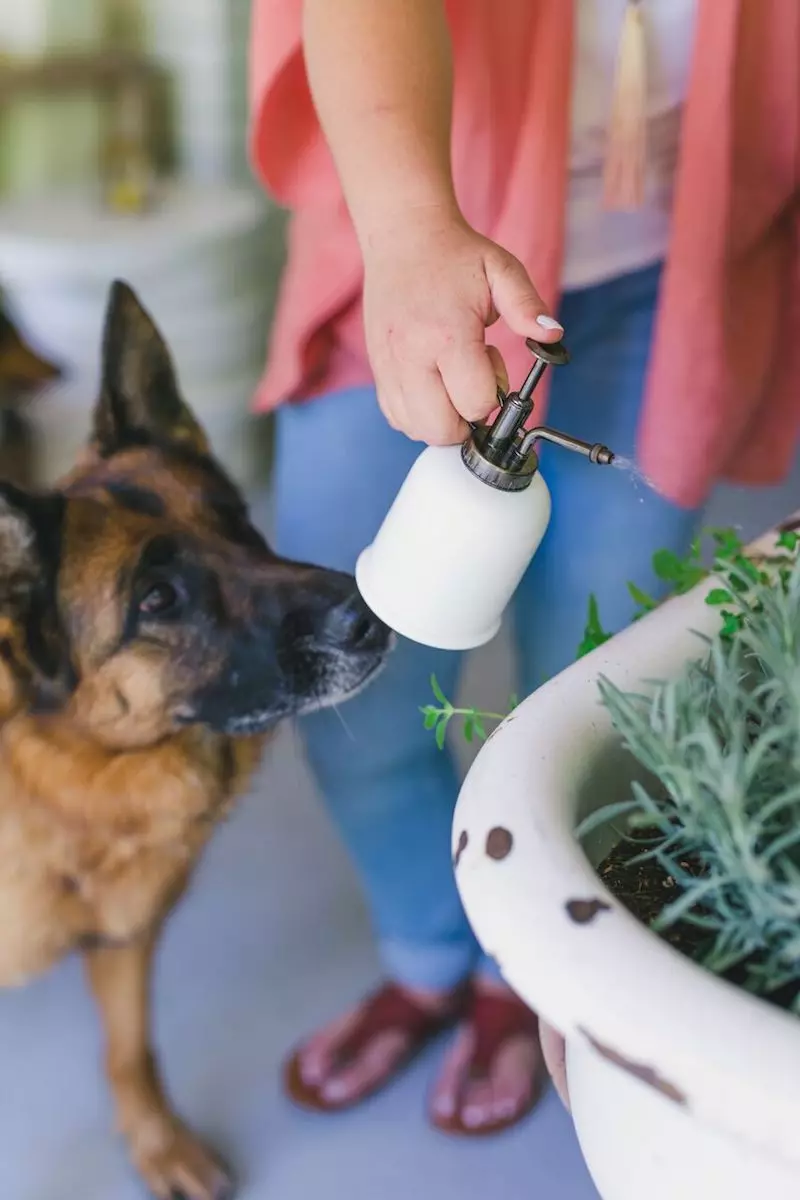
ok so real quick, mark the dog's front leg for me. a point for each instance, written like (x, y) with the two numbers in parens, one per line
(172, 1161)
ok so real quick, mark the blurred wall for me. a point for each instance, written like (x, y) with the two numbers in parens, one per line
(207, 259)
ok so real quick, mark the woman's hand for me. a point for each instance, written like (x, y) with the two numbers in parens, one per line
(432, 286)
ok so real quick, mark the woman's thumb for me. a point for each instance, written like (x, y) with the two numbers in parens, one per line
(517, 300)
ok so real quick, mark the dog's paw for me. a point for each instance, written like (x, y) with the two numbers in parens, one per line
(182, 1168)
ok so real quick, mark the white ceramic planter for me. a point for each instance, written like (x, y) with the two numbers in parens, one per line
(682, 1086)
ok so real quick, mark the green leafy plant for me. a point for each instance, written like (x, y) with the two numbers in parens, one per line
(680, 574)
(723, 743)
(593, 635)
(438, 716)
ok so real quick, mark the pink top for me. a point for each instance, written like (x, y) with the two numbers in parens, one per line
(723, 394)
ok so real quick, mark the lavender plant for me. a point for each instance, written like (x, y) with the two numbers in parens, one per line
(723, 743)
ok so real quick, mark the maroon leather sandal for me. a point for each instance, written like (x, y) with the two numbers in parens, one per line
(389, 1008)
(496, 1018)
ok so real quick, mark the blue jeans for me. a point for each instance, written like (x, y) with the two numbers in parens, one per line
(390, 792)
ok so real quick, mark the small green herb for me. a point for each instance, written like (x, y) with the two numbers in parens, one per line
(438, 716)
(593, 635)
(644, 603)
(719, 596)
(681, 573)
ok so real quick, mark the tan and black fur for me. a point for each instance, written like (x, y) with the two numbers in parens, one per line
(149, 640)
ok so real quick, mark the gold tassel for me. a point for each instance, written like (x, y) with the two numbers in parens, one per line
(626, 154)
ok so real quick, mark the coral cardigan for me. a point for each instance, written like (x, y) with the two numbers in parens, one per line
(723, 391)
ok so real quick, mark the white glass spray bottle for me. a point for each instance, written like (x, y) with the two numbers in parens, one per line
(466, 524)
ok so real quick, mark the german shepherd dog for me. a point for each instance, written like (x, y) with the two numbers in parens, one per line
(149, 641)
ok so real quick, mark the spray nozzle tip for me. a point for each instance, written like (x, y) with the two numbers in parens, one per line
(601, 455)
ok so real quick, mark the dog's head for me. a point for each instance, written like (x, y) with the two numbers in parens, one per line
(138, 597)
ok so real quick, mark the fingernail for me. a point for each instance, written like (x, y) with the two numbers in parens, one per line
(549, 323)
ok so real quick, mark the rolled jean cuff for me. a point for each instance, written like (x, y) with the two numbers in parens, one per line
(436, 968)
(489, 968)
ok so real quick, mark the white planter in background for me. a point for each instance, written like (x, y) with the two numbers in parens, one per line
(206, 265)
(62, 418)
(206, 345)
(683, 1087)
(48, 142)
(37, 25)
(192, 38)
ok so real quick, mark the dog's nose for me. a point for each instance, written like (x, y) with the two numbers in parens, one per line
(352, 626)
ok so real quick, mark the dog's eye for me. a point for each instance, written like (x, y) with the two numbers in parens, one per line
(160, 599)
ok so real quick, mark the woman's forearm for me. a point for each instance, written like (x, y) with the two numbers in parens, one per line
(381, 76)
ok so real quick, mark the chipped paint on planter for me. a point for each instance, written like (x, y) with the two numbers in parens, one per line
(583, 912)
(463, 842)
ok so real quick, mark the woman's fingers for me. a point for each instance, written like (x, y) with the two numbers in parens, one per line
(420, 407)
(469, 374)
(517, 301)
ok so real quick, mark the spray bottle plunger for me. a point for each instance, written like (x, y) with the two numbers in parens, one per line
(466, 523)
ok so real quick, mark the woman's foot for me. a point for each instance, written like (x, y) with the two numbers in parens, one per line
(494, 1072)
(360, 1053)
(492, 1075)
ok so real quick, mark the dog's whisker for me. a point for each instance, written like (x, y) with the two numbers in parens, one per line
(344, 724)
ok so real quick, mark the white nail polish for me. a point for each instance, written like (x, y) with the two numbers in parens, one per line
(549, 323)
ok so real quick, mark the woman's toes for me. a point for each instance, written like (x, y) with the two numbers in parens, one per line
(480, 1103)
(448, 1091)
(476, 1104)
(378, 1059)
(515, 1075)
(317, 1056)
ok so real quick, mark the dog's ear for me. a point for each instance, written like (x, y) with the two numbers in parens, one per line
(21, 367)
(140, 403)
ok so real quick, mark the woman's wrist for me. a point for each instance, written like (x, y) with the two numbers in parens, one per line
(390, 226)
(381, 76)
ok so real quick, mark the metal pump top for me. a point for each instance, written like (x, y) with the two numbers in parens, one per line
(502, 455)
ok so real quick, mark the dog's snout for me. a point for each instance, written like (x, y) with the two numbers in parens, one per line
(351, 626)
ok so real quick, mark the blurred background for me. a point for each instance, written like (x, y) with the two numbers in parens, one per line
(122, 153)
